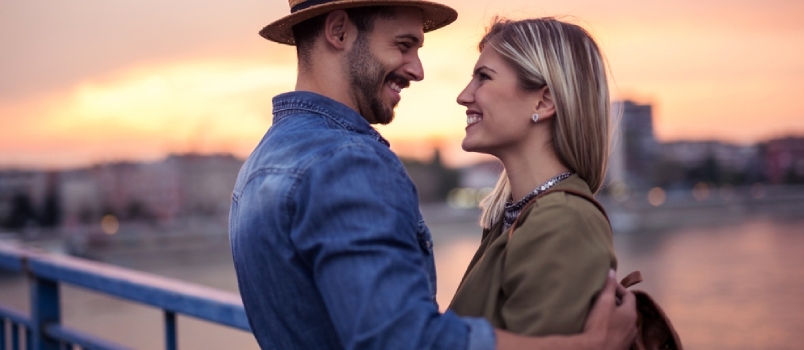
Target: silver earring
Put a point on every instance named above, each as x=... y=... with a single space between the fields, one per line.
x=535 y=117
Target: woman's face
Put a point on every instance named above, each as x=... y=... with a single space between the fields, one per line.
x=498 y=111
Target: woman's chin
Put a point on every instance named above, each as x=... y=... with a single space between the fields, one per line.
x=466 y=146
x=470 y=146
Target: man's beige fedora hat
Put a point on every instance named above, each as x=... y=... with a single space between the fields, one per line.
x=434 y=15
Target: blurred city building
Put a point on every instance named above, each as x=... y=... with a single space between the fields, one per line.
x=634 y=146
x=639 y=161
x=685 y=163
x=179 y=186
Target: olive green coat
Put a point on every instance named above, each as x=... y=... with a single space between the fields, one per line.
x=543 y=281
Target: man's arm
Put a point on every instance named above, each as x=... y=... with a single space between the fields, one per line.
x=611 y=325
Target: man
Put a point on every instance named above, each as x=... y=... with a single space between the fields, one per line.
x=328 y=242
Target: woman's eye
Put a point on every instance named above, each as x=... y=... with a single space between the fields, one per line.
x=483 y=76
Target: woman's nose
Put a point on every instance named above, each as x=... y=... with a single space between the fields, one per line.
x=466 y=96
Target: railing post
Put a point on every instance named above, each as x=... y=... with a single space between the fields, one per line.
x=15 y=336
x=2 y=334
x=28 y=338
x=44 y=310
x=170 y=331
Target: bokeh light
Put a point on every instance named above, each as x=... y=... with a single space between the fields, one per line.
x=656 y=196
x=700 y=191
x=110 y=224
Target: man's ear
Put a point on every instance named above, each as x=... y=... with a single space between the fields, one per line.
x=338 y=29
x=545 y=105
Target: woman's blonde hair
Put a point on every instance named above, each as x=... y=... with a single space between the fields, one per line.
x=565 y=58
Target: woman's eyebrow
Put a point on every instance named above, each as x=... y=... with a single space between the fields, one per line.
x=478 y=69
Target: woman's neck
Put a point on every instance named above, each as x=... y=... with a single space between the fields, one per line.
x=529 y=169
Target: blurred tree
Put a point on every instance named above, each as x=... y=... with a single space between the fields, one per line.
x=22 y=212
x=792 y=177
x=137 y=210
x=668 y=173
x=51 y=211
x=709 y=171
x=86 y=215
x=433 y=179
x=448 y=178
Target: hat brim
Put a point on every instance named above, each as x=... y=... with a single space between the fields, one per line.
x=434 y=16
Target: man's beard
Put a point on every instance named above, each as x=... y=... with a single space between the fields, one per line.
x=367 y=78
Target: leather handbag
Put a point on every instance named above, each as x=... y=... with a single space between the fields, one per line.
x=655 y=331
x=654 y=328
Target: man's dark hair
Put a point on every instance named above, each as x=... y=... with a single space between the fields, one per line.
x=305 y=33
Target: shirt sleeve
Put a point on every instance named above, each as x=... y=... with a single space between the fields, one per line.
x=556 y=262
x=355 y=227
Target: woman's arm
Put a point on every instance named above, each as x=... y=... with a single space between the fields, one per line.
x=610 y=325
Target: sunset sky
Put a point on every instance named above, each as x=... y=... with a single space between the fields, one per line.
x=91 y=81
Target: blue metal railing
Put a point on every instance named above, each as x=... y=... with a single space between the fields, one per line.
x=42 y=330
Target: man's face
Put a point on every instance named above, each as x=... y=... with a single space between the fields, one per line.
x=384 y=61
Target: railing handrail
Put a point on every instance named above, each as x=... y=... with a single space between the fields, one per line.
x=173 y=296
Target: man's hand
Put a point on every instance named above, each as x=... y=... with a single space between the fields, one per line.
x=612 y=322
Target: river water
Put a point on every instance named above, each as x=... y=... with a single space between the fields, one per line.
x=731 y=286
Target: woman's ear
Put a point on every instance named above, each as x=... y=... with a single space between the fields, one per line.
x=545 y=104
x=337 y=29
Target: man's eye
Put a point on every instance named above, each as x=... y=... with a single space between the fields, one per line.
x=404 y=46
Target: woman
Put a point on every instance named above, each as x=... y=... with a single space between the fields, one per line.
x=538 y=101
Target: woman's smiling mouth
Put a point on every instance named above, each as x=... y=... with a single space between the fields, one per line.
x=473 y=118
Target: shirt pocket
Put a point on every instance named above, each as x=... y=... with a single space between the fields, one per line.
x=426 y=244
x=425 y=239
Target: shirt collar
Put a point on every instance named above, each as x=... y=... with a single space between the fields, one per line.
x=294 y=102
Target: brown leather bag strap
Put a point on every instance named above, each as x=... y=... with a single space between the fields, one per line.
x=632 y=279
x=587 y=197
x=520 y=217
x=532 y=202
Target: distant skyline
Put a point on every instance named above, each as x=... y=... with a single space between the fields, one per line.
x=83 y=82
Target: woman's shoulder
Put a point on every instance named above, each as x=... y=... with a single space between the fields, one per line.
x=561 y=220
x=565 y=217
x=564 y=206
x=571 y=197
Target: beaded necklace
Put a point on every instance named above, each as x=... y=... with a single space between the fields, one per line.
x=512 y=210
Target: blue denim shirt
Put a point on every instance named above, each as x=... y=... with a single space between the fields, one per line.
x=329 y=246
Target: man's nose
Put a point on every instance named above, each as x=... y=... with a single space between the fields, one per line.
x=415 y=70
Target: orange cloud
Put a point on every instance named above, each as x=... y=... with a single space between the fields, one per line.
x=147 y=112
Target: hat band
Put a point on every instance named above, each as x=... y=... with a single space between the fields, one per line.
x=306 y=4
